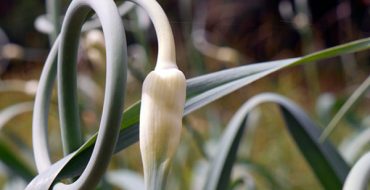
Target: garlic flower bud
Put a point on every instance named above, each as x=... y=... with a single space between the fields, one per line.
x=162 y=106
x=162 y=103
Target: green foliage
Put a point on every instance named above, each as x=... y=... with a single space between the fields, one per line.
x=85 y=163
x=328 y=165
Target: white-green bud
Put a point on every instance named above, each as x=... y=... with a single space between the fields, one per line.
x=162 y=107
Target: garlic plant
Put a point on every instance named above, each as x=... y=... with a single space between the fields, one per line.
x=162 y=108
x=162 y=104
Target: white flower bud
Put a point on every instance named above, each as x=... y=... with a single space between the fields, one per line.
x=162 y=106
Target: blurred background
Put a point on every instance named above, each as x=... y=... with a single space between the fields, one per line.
x=210 y=36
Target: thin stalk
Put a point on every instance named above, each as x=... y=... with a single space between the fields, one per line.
x=53 y=11
x=345 y=108
x=166 y=43
x=41 y=110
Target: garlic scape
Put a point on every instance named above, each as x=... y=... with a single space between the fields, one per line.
x=162 y=103
x=66 y=70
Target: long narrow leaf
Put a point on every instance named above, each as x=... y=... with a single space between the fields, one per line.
x=327 y=164
x=202 y=83
x=324 y=159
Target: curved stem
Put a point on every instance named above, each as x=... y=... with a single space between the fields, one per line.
x=44 y=25
x=114 y=92
x=67 y=71
x=41 y=110
x=94 y=23
x=42 y=104
x=166 y=43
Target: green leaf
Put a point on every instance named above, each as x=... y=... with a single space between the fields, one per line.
x=200 y=92
x=203 y=83
x=325 y=161
x=211 y=87
x=329 y=167
x=346 y=48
